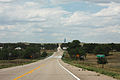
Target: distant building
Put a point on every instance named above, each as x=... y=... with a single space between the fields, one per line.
x=1 y=48
x=64 y=48
x=18 y=48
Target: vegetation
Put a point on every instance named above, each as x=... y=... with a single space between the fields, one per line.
x=75 y=50
x=44 y=54
x=101 y=49
x=92 y=68
x=14 y=54
x=16 y=62
x=11 y=51
x=90 y=48
x=79 y=54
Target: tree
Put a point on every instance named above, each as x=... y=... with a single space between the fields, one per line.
x=102 y=49
x=89 y=47
x=4 y=54
x=44 y=54
x=75 y=50
x=117 y=47
x=75 y=43
x=102 y=60
x=31 y=53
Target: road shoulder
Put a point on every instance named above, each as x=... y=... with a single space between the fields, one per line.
x=85 y=74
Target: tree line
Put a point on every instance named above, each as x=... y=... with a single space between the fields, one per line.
x=9 y=51
x=82 y=49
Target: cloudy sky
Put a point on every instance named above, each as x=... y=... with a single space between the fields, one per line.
x=54 y=20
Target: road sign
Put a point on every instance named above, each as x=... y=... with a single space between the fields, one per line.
x=100 y=56
x=78 y=55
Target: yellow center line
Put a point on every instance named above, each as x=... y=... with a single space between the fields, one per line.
x=28 y=72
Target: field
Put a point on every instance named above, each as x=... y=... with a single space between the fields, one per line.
x=112 y=65
x=16 y=62
x=112 y=68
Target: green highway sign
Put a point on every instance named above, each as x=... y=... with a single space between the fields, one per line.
x=100 y=55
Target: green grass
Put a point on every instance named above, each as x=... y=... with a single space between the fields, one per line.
x=91 y=68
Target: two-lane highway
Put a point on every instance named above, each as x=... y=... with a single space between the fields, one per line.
x=47 y=69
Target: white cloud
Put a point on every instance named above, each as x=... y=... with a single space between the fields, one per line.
x=92 y=1
x=1 y=10
x=110 y=29
x=9 y=27
x=6 y=0
x=105 y=17
x=57 y=34
x=102 y=31
x=77 y=18
x=38 y=30
x=2 y=28
x=30 y=4
x=112 y=10
x=55 y=2
x=47 y=12
x=29 y=18
x=18 y=12
x=2 y=35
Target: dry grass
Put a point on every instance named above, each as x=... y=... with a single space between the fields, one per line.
x=16 y=62
x=113 y=62
x=112 y=68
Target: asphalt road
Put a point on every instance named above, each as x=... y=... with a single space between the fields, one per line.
x=47 y=69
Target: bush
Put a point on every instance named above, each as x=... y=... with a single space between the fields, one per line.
x=44 y=54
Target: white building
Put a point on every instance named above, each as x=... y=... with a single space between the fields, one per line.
x=1 y=48
x=18 y=48
x=64 y=48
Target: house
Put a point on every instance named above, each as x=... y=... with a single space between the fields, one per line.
x=18 y=48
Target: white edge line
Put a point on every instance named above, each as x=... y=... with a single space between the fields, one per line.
x=68 y=71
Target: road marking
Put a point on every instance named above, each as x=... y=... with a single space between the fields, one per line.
x=68 y=71
x=33 y=69
x=28 y=72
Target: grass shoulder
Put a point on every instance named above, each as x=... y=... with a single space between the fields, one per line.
x=92 y=68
